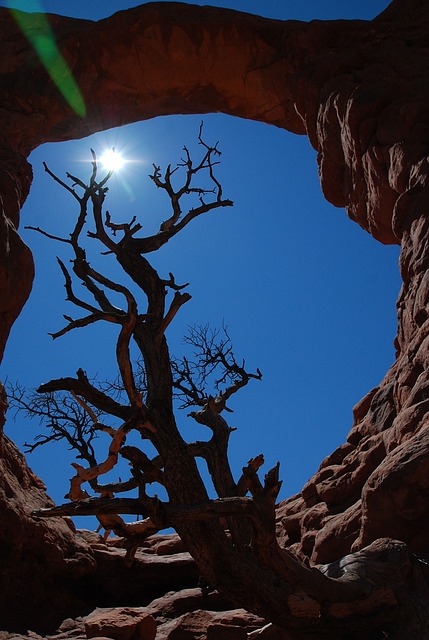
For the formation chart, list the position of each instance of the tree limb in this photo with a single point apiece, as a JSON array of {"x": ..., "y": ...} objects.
[{"x": 82, "y": 386}]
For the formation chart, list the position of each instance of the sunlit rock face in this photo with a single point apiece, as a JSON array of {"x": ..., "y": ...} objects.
[{"x": 360, "y": 92}]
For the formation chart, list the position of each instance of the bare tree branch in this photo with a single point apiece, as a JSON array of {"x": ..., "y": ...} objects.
[
  {"x": 62, "y": 417},
  {"x": 172, "y": 283},
  {"x": 62, "y": 183},
  {"x": 212, "y": 364},
  {"x": 178, "y": 300},
  {"x": 126, "y": 227},
  {"x": 95, "y": 396},
  {"x": 47, "y": 235},
  {"x": 245, "y": 561},
  {"x": 88, "y": 474}
]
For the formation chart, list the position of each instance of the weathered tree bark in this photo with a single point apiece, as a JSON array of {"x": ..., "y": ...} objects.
[{"x": 359, "y": 91}]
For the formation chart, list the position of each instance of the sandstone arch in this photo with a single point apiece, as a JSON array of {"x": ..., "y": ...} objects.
[{"x": 359, "y": 91}]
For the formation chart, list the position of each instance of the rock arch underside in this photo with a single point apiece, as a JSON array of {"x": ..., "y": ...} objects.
[{"x": 359, "y": 90}]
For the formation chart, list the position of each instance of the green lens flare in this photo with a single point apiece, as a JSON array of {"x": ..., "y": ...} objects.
[{"x": 37, "y": 30}]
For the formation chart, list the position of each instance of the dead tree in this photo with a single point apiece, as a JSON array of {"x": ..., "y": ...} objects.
[{"x": 378, "y": 592}]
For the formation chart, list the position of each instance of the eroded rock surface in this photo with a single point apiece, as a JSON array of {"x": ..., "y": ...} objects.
[
  {"x": 41, "y": 562},
  {"x": 360, "y": 92},
  {"x": 376, "y": 483}
]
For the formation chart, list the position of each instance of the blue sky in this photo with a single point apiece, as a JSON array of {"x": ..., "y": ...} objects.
[{"x": 308, "y": 296}]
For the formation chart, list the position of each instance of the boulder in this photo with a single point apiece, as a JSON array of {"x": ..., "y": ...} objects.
[{"x": 124, "y": 623}]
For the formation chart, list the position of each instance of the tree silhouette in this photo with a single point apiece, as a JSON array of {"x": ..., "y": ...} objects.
[{"x": 232, "y": 537}]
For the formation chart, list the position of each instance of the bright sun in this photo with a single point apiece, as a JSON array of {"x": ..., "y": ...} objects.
[{"x": 112, "y": 160}]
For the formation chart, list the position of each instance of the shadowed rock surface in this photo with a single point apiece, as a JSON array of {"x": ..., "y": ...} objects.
[
  {"x": 360, "y": 92},
  {"x": 39, "y": 563}
]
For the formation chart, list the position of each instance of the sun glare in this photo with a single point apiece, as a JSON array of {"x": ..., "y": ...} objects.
[{"x": 112, "y": 160}]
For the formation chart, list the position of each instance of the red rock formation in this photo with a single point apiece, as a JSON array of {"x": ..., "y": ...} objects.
[
  {"x": 360, "y": 92},
  {"x": 125, "y": 623},
  {"x": 16, "y": 261},
  {"x": 40, "y": 562}
]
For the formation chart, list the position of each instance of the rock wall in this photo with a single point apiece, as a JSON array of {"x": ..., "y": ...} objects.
[
  {"x": 41, "y": 563},
  {"x": 360, "y": 92},
  {"x": 16, "y": 260}
]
